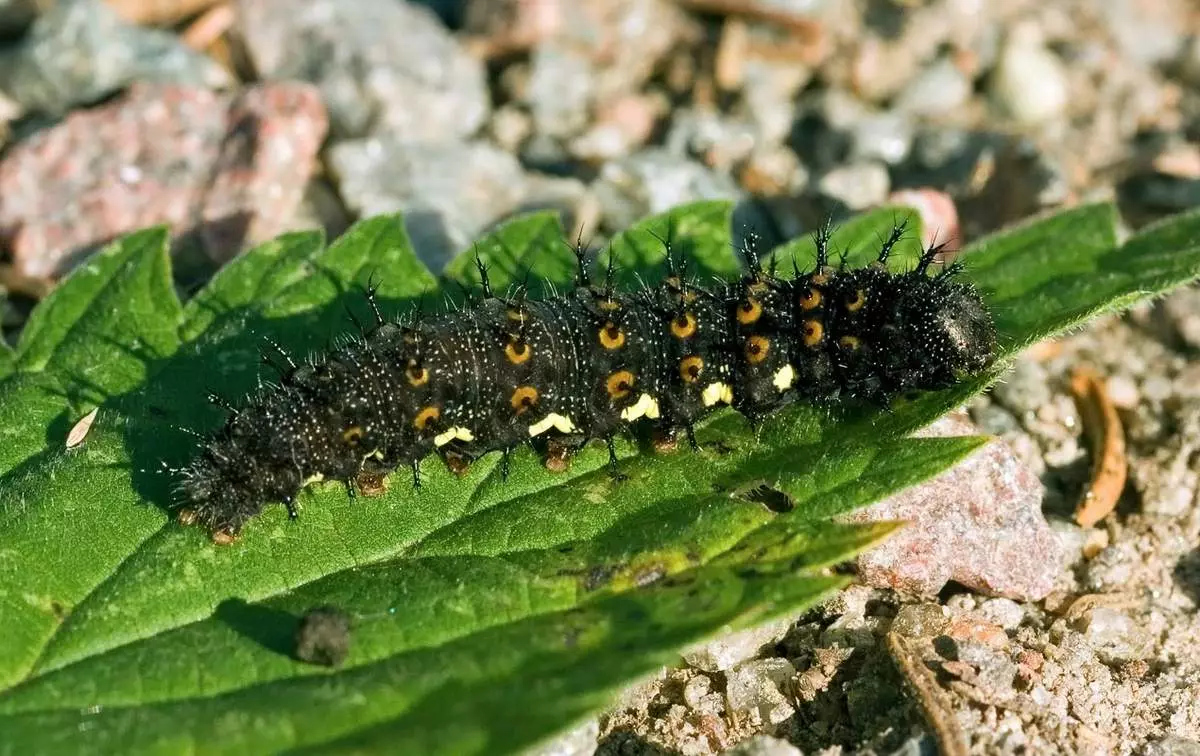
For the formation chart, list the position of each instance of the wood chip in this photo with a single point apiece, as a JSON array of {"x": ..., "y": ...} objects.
[
  {"x": 204, "y": 32},
  {"x": 934, "y": 702},
  {"x": 1102, "y": 426},
  {"x": 158, "y": 12},
  {"x": 751, "y": 10},
  {"x": 80, "y": 430}
]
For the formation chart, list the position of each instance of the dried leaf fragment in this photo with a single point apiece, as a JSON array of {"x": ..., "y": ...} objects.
[{"x": 1102, "y": 425}]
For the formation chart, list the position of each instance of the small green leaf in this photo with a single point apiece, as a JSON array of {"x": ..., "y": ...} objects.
[
  {"x": 699, "y": 234},
  {"x": 529, "y": 250},
  {"x": 8, "y": 360},
  {"x": 859, "y": 239}
]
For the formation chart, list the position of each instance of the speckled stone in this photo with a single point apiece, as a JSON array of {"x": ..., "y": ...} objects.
[
  {"x": 222, "y": 170},
  {"x": 382, "y": 67},
  {"x": 979, "y": 524}
]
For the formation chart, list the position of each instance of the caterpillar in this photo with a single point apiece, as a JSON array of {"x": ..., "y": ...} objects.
[{"x": 587, "y": 365}]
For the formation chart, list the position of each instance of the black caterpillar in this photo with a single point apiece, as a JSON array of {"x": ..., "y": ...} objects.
[{"x": 586, "y": 365}]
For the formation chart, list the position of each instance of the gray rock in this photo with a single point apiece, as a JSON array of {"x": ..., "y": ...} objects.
[
  {"x": 448, "y": 192},
  {"x": 1004, "y": 612},
  {"x": 653, "y": 181},
  {"x": 728, "y": 650},
  {"x": 1116, "y": 637},
  {"x": 1029, "y": 83},
  {"x": 939, "y": 90},
  {"x": 1172, "y": 747},
  {"x": 882, "y": 136},
  {"x": 382, "y": 67},
  {"x": 560, "y": 90},
  {"x": 1025, "y": 389},
  {"x": 756, "y": 687},
  {"x": 80, "y": 51},
  {"x": 764, "y": 745},
  {"x": 858, "y": 186}
]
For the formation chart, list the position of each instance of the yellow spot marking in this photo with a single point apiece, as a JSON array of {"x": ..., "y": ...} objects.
[
  {"x": 353, "y": 435},
  {"x": 554, "y": 420},
  {"x": 811, "y": 299},
  {"x": 646, "y": 406},
  {"x": 849, "y": 342},
  {"x": 784, "y": 378},
  {"x": 426, "y": 416},
  {"x": 717, "y": 392},
  {"x": 814, "y": 332},
  {"x": 456, "y": 433},
  {"x": 690, "y": 368},
  {"x": 611, "y": 337},
  {"x": 417, "y": 375},
  {"x": 620, "y": 384},
  {"x": 517, "y": 352},
  {"x": 856, "y": 302},
  {"x": 683, "y": 326},
  {"x": 524, "y": 398},
  {"x": 757, "y": 348},
  {"x": 749, "y": 311}
]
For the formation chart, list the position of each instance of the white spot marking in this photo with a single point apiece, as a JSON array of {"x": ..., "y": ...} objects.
[
  {"x": 554, "y": 420},
  {"x": 717, "y": 392},
  {"x": 646, "y": 406},
  {"x": 784, "y": 378},
  {"x": 457, "y": 432}
]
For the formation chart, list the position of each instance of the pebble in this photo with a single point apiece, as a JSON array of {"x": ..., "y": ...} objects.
[
  {"x": 1029, "y": 83},
  {"x": 979, "y": 523},
  {"x": 764, "y": 745},
  {"x": 1025, "y": 389},
  {"x": 719, "y": 140},
  {"x": 1116, "y": 637},
  {"x": 886, "y": 137},
  {"x": 1004, "y": 612},
  {"x": 920, "y": 620},
  {"x": 939, "y": 90},
  {"x": 938, "y": 212},
  {"x": 1123, "y": 391},
  {"x": 80, "y": 51},
  {"x": 756, "y": 687},
  {"x": 449, "y": 192},
  {"x": 654, "y": 181},
  {"x": 857, "y": 186},
  {"x": 1109, "y": 570},
  {"x": 560, "y": 90},
  {"x": 227, "y": 170},
  {"x": 729, "y": 650},
  {"x": 1172, "y": 746},
  {"x": 421, "y": 86}
]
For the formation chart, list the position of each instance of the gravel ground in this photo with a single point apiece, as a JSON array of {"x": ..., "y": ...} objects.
[{"x": 233, "y": 121}]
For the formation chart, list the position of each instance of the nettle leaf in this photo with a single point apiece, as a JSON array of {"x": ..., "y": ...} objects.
[{"x": 488, "y": 615}]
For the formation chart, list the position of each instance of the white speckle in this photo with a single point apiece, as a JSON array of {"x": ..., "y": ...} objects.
[
  {"x": 717, "y": 392},
  {"x": 553, "y": 420},
  {"x": 784, "y": 378},
  {"x": 646, "y": 406}
]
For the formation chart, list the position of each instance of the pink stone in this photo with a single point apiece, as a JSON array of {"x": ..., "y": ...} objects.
[
  {"x": 979, "y": 523},
  {"x": 227, "y": 169}
]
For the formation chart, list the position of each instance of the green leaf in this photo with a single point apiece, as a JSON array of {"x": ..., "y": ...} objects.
[
  {"x": 89, "y": 341},
  {"x": 529, "y": 250},
  {"x": 489, "y": 614},
  {"x": 8, "y": 360}
]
